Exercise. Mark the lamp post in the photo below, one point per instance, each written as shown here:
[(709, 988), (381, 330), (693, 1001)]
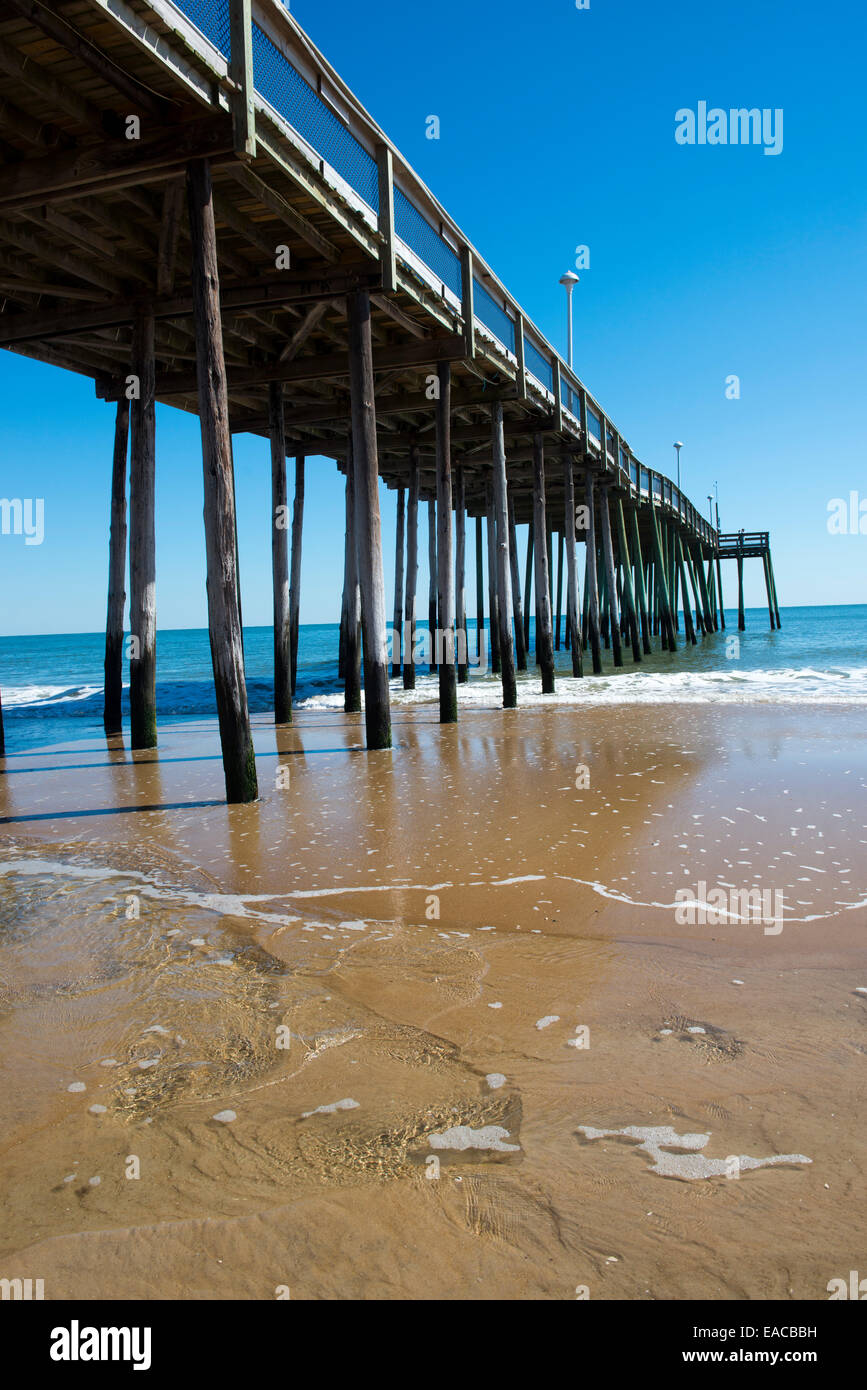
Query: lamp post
[(570, 280), (716, 503), (678, 444), (710, 508)]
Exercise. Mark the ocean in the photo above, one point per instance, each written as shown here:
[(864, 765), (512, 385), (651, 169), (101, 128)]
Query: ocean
[(52, 685)]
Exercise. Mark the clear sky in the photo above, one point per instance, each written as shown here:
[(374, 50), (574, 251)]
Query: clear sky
[(558, 130)]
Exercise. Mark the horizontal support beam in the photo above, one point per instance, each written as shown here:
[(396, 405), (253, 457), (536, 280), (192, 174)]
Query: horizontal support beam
[(292, 287), (335, 364), (113, 164)]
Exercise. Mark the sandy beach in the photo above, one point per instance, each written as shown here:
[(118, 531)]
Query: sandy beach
[(470, 940)]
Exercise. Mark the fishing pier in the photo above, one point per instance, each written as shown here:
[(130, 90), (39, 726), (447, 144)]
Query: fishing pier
[(196, 210)]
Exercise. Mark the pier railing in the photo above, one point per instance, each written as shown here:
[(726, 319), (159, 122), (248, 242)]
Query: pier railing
[(299, 90)]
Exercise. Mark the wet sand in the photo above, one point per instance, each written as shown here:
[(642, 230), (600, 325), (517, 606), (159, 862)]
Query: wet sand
[(470, 948)]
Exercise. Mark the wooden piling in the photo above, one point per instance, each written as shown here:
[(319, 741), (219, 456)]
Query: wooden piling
[(411, 572), (517, 611), (295, 585), (368, 533), (742, 623), (480, 595), (768, 590), (559, 614), (224, 621), (641, 596), (774, 589), (611, 577), (142, 542), (722, 612), (432, 617), (352, 602), (696, 597), (445, 555), (528, 579), (628, 592), (698, 560), (687, 607), (112, 717), (544, 634), (504, 573), (493, 603), (280, 559), (573, 626), (461, 578), (666, 621), (399, 543), (591, 588)]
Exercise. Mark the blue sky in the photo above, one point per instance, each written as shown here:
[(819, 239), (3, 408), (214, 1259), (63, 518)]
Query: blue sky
[(557, 130)]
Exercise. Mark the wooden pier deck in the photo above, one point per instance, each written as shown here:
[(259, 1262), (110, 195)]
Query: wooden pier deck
[(196, 210)]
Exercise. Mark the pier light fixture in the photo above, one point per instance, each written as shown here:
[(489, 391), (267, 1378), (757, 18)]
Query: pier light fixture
[(569, 280), (678, 445)]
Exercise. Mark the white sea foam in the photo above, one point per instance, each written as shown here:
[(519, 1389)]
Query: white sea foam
[(332, 1108), (462, 1137), (835, 685), (656, 1140)]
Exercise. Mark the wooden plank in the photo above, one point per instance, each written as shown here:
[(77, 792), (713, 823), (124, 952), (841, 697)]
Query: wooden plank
[(170, 226), (385, 177), (287, 214), (241, 73), (467, 296), (224, 620)]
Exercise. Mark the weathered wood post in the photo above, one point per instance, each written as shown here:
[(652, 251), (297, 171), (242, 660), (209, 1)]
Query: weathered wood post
[(399, 542), (493, 601), (504, 571), (368, 532), (711, 588), (687, 606), (432, 617), (295, 585), (768, 590), (2, 732), (411, 573), (517, 612), (528, 579), (774, 588), (722, 614), (742, 622), (573, 625), (660, 584), (112, 716), (591, 584), (544, 633), (611, 576), (559, 615), (224, 621), (142, 542), (639, 579), (690, 569), (461, 578), (702, 587), (628, 594), (280, 559), (351, 601), (445, 553), (480, 594)]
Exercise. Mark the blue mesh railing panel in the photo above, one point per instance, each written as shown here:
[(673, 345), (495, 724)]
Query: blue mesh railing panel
[(493, 315), (426, 242), (594, 425), (281, 84), (645, 480), (538, 365), (212, 18)]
